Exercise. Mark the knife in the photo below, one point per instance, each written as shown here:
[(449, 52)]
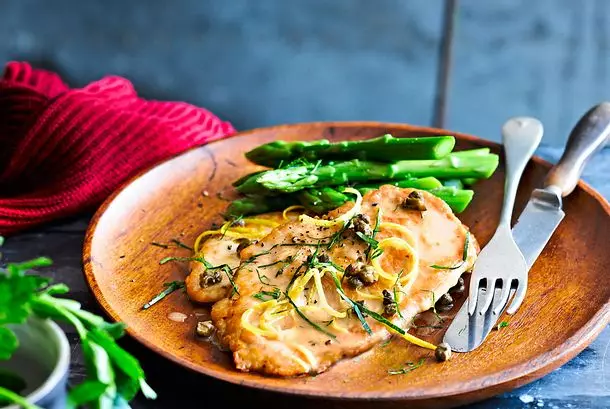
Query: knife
[(540, 218)]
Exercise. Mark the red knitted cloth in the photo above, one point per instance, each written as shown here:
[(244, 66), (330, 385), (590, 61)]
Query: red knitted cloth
[(63, 150)]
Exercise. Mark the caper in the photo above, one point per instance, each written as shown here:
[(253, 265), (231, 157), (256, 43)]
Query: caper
[(389, 306), (459, 288), (445, 303), (445, 299), (415, 201), (353, 268), (362, 224), (205, 328), (354, 282), (442, 352), (243, 243), (210, 278), (367, 275), (323, 258)]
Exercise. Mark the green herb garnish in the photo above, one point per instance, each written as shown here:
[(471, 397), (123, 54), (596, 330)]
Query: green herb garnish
[(169, 288), (368, 239), (464, 256), (273, 295), (354, 305), (177, 242), (372, 242), (310, 322), (262, 278), (181, 244), (409, 366), (436, 314), (200, 259), (334, 239), (501, 325)]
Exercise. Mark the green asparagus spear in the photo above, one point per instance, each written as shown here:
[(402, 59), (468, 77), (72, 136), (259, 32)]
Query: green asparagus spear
[(355, 171), (328, 198), (456, 183), (317, 200), (385, 148), (457, 199), (259, 204), (471, 152)]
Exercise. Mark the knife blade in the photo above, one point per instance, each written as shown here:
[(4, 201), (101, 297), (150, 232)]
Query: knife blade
[(533, 230), (540, 218)]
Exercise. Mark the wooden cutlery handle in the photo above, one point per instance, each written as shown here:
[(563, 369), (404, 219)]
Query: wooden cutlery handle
[(587, 138)]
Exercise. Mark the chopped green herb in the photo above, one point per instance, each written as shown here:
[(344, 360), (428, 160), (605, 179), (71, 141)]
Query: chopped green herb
[(355, 306), (436, 266), (262, 278), (368, 239), (337, 236), (229, 272), (313, 324), (177, 242), (169, 288), (466, 245), (181, 244), (434, 311), (268, 295), (376, 253), (464, 256), (501, 325), (271, 264), (225, 267), (255, 256), (373, 243), (409, 366)]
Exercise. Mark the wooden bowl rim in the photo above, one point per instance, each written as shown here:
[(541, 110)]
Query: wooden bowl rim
[(553, 358)]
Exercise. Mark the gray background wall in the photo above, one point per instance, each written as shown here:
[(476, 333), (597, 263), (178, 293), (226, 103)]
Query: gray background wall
[(264, 62)]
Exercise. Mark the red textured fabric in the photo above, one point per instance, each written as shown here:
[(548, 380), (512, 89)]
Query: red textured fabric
[(63, 150)]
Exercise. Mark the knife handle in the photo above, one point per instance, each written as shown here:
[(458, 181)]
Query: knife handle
[(587, 138)]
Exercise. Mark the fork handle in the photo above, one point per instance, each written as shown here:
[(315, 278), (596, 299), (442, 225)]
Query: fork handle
[(589, 136), (520, 137)]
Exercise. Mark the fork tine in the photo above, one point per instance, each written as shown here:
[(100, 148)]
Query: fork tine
[(519, 296), (489, 295), (473, 294), (503, 298)]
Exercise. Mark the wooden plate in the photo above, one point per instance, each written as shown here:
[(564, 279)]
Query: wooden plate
[(567, 304)]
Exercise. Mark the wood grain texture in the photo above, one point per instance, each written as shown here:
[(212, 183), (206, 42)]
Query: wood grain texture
[(566, 307)]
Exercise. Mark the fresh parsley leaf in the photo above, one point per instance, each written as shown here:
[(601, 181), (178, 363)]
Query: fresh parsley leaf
[(86, 392), (8, 343)]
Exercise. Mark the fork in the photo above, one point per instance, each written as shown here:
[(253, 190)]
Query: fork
[(500, 268)]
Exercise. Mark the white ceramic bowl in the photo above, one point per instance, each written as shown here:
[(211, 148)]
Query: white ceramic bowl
[(43, 360)]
